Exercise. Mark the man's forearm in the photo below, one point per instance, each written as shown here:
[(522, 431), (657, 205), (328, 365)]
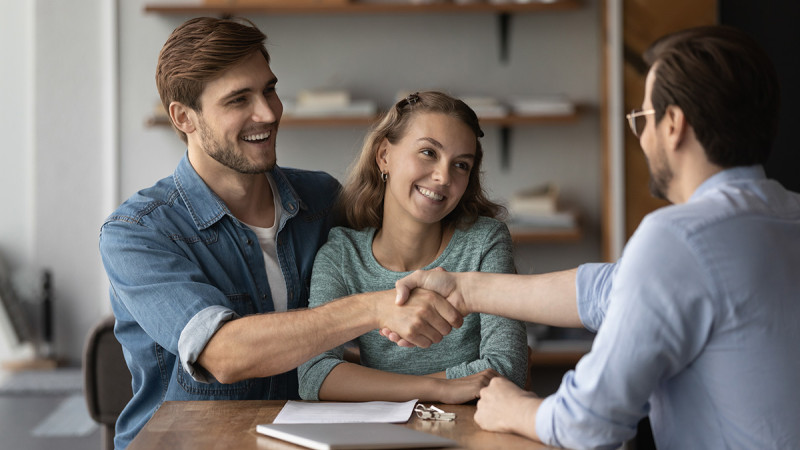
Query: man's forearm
[(546, 298), (268, 344)]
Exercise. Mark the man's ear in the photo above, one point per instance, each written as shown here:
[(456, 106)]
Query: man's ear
[(182, 117), (676, 126)]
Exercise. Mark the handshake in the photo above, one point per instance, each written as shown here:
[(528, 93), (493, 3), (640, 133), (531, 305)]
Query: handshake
[(431, 305)]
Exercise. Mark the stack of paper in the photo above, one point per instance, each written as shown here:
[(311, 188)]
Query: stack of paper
[(544, 105), (328, 103), (537, 200), (538, 207), (486, 107)]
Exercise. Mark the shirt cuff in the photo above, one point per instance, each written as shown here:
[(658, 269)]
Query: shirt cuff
[(195, 336), (544, 422)]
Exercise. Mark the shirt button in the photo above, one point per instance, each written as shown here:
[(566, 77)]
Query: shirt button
[(249, 242)]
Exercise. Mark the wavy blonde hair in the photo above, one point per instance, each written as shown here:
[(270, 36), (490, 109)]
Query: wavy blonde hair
[(360, 204)]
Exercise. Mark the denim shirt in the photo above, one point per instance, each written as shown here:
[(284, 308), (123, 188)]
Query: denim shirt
[(180, 265)]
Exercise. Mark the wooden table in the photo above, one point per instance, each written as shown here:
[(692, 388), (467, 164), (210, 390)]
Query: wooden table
[(224, 424)]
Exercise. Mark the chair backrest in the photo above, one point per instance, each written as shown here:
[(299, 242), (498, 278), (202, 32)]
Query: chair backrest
[(106, 378)]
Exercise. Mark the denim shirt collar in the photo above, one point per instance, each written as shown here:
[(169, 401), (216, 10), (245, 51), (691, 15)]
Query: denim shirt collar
[(207, 208), (734, 174)]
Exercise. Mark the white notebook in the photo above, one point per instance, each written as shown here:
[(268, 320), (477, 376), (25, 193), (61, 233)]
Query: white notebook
[(328, 436)]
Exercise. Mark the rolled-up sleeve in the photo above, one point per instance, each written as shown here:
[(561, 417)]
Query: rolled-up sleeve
[(593, 286), (195, 336)]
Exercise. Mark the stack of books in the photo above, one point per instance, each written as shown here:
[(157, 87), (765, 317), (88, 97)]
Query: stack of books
[(538, 207), (486, 107), (322, 103), (543, 105)]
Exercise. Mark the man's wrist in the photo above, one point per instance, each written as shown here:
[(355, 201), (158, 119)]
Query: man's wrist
[(525, 424)]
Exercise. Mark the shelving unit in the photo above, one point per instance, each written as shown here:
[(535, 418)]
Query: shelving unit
[(364, 8), (520, 235), (507, 121)]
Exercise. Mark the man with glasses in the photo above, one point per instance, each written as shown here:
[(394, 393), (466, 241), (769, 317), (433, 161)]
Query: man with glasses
[(697, 322)]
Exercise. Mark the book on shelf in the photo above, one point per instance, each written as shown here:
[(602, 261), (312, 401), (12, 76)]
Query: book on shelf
[(543, 105), (559, 219), (538, 207), (486, 107), (358, 108), (536, 200), (328, 103)]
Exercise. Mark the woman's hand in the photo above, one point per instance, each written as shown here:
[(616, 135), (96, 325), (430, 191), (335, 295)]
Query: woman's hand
[(461, 390)]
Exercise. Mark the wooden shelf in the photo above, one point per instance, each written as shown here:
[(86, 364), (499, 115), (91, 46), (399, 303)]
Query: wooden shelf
[(521, 235), (507, 121), (162, 121), (565, 353), (365, 8)]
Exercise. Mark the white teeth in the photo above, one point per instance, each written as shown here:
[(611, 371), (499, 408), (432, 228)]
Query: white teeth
[(430, 194), (256, 137)]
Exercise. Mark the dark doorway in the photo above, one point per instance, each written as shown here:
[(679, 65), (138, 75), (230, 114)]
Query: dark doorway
[(773, 23)]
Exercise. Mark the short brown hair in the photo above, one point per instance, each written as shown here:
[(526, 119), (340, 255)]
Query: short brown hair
[(360, 204), (199, 51), (726, 86)]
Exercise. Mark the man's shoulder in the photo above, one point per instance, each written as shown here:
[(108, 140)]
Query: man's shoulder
[(301, 178), (314, 187), (725, 205), (162, 193)]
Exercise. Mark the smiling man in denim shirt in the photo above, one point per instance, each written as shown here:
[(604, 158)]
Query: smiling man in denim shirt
[(196, 261), (697, 323)]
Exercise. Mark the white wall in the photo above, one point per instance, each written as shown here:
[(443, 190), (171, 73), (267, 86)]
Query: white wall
[(59, 118), (53, 185), (16, 88)]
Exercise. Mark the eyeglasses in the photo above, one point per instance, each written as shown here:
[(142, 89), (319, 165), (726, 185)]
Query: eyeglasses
[(637, 121)]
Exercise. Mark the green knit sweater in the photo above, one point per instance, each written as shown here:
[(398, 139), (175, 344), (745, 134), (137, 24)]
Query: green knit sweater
[(345, 266)]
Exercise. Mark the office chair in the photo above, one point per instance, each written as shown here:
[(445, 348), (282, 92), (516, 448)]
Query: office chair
[(106, 379)]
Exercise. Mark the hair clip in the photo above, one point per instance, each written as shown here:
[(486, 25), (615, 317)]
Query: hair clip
[(433, 413), (413, 98)]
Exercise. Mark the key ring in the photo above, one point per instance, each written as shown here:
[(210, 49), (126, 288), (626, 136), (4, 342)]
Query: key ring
[(433, 413)]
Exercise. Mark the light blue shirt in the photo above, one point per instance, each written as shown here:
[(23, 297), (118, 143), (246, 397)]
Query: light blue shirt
[(698, 325)]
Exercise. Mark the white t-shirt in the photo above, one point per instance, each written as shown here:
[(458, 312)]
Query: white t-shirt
[(267, 241)]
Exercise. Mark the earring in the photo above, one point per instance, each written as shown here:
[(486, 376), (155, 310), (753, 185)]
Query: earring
[(384, 176)]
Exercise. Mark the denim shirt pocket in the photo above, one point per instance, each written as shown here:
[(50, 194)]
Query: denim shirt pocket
[(242, 304)]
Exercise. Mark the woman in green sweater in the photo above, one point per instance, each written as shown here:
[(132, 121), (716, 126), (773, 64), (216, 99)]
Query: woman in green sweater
[(414, 201)]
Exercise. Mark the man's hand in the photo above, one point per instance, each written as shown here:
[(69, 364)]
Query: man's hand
[(437, 280), (506, 408), (422, 321)]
